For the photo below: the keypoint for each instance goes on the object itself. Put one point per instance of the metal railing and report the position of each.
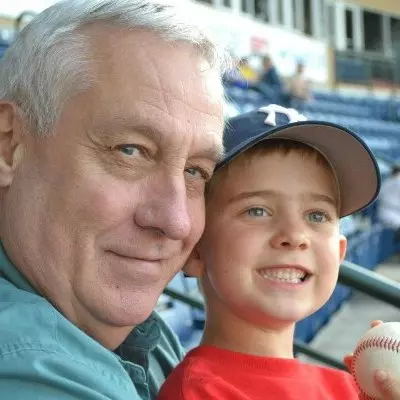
(370, 283)
(352, 275)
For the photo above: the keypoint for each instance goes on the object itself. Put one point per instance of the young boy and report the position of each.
(270, 256)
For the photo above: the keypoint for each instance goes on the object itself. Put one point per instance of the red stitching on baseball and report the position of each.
(376, 342)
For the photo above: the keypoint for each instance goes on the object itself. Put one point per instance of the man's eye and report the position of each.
(198, 173)
(130, 149)
(257, 212)
(318, 217)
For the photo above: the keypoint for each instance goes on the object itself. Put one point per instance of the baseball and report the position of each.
(379, 348)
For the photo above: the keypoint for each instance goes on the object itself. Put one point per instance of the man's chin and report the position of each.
(132, 316)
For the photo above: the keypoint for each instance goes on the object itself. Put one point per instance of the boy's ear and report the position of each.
(194, 265)
(342, 247)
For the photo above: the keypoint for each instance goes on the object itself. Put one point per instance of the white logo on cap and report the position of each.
(272, 109)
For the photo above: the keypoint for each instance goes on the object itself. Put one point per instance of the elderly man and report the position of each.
(110, 125)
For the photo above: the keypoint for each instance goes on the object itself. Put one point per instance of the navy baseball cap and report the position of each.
(351, 159)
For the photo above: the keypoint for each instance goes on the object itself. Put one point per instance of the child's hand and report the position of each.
(387, 386)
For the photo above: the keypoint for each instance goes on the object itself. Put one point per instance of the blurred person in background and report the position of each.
(110, 125)
(389, 202)
(240, 74)
(246, 70)
(299, 87)
(270, 75)
(270, 83)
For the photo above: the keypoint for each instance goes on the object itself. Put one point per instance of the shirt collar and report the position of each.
(143, 339)
(11, 273)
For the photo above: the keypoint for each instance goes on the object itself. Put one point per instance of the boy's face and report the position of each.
(272, 248)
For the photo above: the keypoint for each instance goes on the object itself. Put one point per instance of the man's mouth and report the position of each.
(133, 257)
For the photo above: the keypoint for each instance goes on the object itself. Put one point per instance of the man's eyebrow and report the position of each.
(213, 152)
(118, 128)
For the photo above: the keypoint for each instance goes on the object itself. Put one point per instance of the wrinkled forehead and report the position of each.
(156, 61)
(144, 81)
(170, 69)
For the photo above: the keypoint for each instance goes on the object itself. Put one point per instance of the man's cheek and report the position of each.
(197, 216)
(101, 205)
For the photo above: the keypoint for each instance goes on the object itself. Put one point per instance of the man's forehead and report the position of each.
(146, 52)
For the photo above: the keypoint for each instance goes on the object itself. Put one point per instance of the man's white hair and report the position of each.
(49, 62)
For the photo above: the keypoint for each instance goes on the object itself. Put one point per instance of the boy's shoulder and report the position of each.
(195, 366)
(198, 377)
(331, 376)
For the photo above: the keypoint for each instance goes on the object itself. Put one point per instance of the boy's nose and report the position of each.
(290, 240)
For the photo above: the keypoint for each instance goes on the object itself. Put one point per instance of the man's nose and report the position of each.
(165, 208)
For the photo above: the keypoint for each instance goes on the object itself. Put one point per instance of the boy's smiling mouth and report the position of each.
(285, 274)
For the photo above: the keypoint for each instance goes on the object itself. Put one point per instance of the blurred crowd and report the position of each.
(267, 79)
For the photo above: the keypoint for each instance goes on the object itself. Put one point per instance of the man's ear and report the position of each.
(194, 265)
(10, 142)
(342, 247)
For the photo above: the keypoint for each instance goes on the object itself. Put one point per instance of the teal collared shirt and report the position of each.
(44, 356)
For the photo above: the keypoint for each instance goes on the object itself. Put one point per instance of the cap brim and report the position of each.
(355, 166)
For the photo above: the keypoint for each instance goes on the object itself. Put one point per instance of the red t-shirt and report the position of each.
(209, 372)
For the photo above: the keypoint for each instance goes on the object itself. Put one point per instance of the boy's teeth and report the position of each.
(286, 275)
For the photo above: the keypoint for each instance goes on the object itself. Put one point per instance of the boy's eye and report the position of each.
(257, 212)
(318, 217)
